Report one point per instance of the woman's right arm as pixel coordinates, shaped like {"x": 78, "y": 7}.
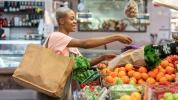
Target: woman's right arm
{"x": 98, "y": 41}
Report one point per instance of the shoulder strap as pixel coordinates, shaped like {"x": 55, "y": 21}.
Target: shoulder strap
{"x": 45, "y": 44}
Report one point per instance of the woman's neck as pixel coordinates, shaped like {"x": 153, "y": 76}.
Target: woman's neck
{"x": 63, "y": 31}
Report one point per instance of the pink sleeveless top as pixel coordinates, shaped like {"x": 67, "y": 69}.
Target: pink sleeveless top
{"x": 58, "y": 43}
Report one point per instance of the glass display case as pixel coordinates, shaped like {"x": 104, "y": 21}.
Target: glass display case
{"x": 21, "y": 21}
{"x": 109, "y": 15}
{"x": 11, "y": 51}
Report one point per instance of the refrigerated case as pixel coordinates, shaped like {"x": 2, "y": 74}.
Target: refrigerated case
{"x": 109, "y": 15}
{"x": 21, "y": 20}
{"x": 11, "y": 51}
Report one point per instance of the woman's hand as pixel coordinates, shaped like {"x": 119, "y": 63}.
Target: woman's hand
{"x": 107, "y": 57}
{"x": 103, "y": 58}
{"x": 124, "y": 38}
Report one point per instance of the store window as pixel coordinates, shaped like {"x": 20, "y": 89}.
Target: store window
{"x": 109, "y": 15}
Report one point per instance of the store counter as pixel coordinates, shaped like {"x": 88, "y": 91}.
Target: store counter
{"x": 10, "y": 90}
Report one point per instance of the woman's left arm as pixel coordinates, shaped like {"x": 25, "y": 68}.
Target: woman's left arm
{"x": 99, "y": 59}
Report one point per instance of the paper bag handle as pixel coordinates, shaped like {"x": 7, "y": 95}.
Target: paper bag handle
{"x": 45, "y": 44}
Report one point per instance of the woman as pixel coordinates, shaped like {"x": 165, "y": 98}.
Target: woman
{"x": 61, "y": 43}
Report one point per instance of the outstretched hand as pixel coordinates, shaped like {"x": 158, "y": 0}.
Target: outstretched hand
{"x": 124, "y": 39}
{"x": 103, "y": 58}
{"x": 107, "y": 57}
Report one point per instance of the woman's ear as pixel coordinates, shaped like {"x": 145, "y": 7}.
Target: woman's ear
{"x": 61, "y": 21}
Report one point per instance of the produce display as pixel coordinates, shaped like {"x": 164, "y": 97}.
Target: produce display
{"x": 91, "y": 93}
{"x": 160, "y": 91}
{"x": 91, "y": 83}
{"x": 148, "y": 56}
{"x": 151, "y": 75}
{"x": 132, "y": 96}
{"x": 163, "y": 72}
{"x": 116, "y": 91}
{"x": 170, "y": 96}
{"x": 153, "y": 54}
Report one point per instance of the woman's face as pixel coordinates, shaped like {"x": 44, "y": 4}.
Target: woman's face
{"x": 70, "y": 23}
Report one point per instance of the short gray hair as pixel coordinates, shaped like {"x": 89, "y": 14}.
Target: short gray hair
{"x": 61, "y": 12}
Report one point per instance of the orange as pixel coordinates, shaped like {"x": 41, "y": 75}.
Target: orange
{"x": 151, "y": 80}
{"x": 136, "y": 96}
{"x": 104, "y": 71}
{"x": 122, "y": 69}
{"x": 142, "y": 70}
{"x": 173, "y": 76}
{"x": 109, "y": 72}
{"x": 121, "y": 73}
{"x": 152, "y": 74}
{"x": 159, "y": 67}
{"x": 129, "y": 67}
{"x": 164, "y": 63}
{"x": 137, "y": 75}
{"x": 156, "y": 70}
{"x": 169, "y": 59}
{"x": 162, "y": 70}
{"x": 109, "y": 79}
{"x": 163, "y": 79}
{"x": 130, "y": 73}
{"x": 170, "y": 70}
{"x": 101, "y": 66}
{"x": 116, "y": 78}
{"x": 133, "y": 79}
{"x": 125, "y": 97}
{"x": 141, "y": 81}
{"x": 159, "y": 75}
{"x": 116, "y": 70}
{"x": 169, "y": 77}
{"x": 125, "y": 79}
{"x": 113, "y": 74}
{"x": 144, "y": 76}
{"x": 171, "y": 65}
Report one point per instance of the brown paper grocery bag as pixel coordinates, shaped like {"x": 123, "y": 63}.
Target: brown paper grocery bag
{"x": 43, "y": 70}
{"x": 135, "y": 57}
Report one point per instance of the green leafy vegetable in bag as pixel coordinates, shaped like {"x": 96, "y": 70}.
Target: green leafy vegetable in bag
{"x": 85, "y": 76}
{"x": 82, "y": 71}
{"x": 151, "y": 57}
{"x": 81, "y": 62}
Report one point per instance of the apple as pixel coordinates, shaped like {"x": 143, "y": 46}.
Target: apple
{"x": 175, "y": 96}
{"x": 132, "y": 82}
{"x": 119, "y": 81}
{"x": 168, "y": 96}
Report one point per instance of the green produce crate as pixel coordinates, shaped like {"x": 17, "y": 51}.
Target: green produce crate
{"x": 117, "y": 91}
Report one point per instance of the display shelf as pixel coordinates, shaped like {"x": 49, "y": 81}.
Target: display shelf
{"x": 98, "y": 21}
{"x": 23, "y": 12}
{"x": 21, "y": 15}
{"x": 20, "y": 27}
{"x": 140, "y": 31}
